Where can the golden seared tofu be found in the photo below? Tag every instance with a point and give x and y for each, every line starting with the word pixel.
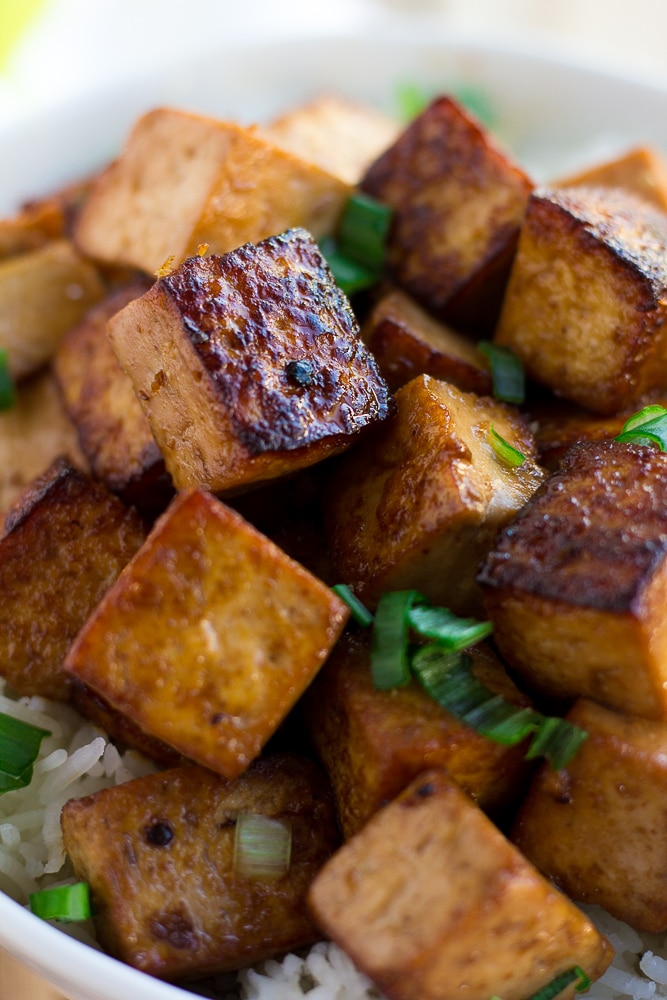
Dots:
pixel 642 171
pixel 42 294
pixel 113 429
pixel 210 636
pixel 606 804
pixel 374 743
pixel 431 901
pixel 339 135
pixel 33 433
pixel 419 503
pixel 586 305
pixel 158 853
pixel 576 586
pixel 407 342
pixel 65 542
pixel 459 202
pixel 185 180
pixel 249 365
pixel 35 225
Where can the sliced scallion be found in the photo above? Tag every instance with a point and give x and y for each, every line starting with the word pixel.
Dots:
pixel 447 629
pixel 363 230
pixel 349 275
pixel 19 747
pixel 506 452
pixel 7 387
pixel 558 740
pixel 65 903
pixel 647 427
pixel 390 665
pixel 262 846
pixel 360 612
pixel 560 982
pixel 509 379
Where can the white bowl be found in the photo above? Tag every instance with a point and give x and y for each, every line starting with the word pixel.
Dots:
pixel 550 112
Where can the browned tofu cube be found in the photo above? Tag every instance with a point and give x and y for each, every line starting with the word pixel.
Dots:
pixel 576 586
pixel 179 909
pixel 607 803
pixel 419 503
pixel 339 135
pixel 249 365
pixel 642 171
pixel 431 901
pixel 42 294
pixel 459 201
pixel 65 542
pixel 185 180
pixel 113 429
pixel 407 342
pixel 374 743
pixel 34 226
pixel 586 305
pixel 33 433
pixel 210 636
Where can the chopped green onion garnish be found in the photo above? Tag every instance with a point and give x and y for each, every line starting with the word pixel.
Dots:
pixel 509 380
pixel 360 612
pixel 504 450
pixel 390 665
pixel 7 387
pixel 447 629
pixel 363 230
pixel 65 903
pixel 412 99
pixel 19 747
pixel 262 846
pixel 559 983
pixel 642 416
pixel 648 427
pixel 350 276
pixel 558 740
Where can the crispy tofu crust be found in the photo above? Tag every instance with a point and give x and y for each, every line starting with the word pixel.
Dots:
pixel 431 901
pixel 607 803
pixel 209 637
pixel 642 171
pixel 158 854
pixel 249 365
pixel 576 584
pixel 586 303
pixel 459 202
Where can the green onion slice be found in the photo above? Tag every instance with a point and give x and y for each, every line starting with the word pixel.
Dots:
pixel 7 387
pixel 360 612
pixel 509 380
pixel 648 427
pixel 19 747
pixel 390 665
pixel 558 740
pixel 66 903
pixel 447 629
pixel 506 452
pixel 349 275
pixel 559 983
pixel 262 846
pixel 363 230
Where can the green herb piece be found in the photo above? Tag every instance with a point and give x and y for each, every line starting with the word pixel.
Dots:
pixel 65 903
pixel 559 983
pixel 360 612
pixel 390 665
pixel 558 740
pixel 350 276
pixel 7 387
pixel 262 846
pixel 412 99
pixel 509 379
pixel 19 748
pixel 363 230
pixel 647 427
pixel 447 629
pixel 506 452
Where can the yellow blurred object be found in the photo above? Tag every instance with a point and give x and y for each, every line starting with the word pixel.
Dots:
pixel 16 16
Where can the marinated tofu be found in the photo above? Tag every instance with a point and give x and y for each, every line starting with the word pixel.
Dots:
pixel 249 365
pixel 606 803
pixel 642 171
pixel 209 637
pixel 184 180
pixel 576 585
pixel 586 302
pixel 31 228
pixel 459 201
pixel 113 429
pixel 407 342
pixel 431 901
pixel 158 853
pixel 374 743
pixel 66 540
pixel 419 503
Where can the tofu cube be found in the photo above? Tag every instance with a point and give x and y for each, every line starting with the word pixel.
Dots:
pixel 35 225
pixel 158 853
pixel 607 803
pixel 407 342
pixel 642 171
pixel 113 429
pixel 185 180
pixel 374 743
pixel 586 303
pixel 42 295
pixel 65 542
pixel 419 503
pixel 459 201
pixel 249 365
pixel 431 901
pixel 209 637
pixel 576 586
